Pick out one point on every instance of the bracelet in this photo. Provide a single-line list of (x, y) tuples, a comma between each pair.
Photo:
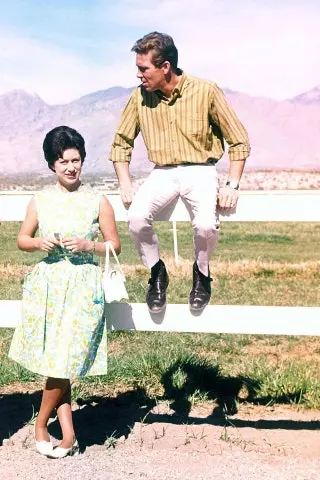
[(93, 247)]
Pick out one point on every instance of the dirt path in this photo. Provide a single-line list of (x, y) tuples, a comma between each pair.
[(154, 443)]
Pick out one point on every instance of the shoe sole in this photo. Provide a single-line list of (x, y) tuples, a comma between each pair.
[(197, 310), (159, 310), (72, 453)]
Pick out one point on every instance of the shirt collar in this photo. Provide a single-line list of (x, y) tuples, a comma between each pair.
[(176, 92), (178, 89)]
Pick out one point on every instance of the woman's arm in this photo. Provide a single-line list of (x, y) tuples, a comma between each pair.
[(108, 228), (26, 240)]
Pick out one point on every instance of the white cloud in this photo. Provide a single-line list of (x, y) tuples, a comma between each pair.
[(257, 47), (261, 48), (58, 76)]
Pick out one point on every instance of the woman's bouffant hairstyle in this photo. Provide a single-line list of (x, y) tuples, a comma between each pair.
[(60, 139), (162, 47)]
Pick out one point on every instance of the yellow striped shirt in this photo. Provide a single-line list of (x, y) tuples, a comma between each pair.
[(189, 127)]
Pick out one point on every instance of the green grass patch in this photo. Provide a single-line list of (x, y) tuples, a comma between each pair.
[(283, 242), (258, 238), (255, 264)]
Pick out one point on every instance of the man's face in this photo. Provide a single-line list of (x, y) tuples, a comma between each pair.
[(152, 78)]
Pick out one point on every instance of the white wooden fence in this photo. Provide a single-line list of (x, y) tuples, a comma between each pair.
[(279, 206), (253, 206)]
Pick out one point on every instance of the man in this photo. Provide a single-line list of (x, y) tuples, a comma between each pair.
[(183, 121)]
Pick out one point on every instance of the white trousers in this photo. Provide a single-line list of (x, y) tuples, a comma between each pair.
[(197, 186)]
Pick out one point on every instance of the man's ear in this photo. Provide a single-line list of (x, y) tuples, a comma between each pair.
[(166, 67)]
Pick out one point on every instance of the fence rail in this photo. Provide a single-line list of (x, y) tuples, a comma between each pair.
[(253, 206), (239, 319), (270, 206)]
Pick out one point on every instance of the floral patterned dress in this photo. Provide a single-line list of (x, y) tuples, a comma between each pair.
[(63, 330)]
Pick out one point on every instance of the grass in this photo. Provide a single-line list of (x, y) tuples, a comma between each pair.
[(271, 242), (111, 440), (255, 264)]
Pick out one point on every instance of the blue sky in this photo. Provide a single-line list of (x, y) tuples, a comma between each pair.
[(64, 49)]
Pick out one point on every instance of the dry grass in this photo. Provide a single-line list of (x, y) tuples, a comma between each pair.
[(286, 349), (218, 267), (236, 268), (11, 270)]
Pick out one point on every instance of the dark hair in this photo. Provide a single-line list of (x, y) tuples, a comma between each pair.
[(162, 47), (60, 139)]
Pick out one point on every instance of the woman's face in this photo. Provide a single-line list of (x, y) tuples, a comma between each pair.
[(68, 168)]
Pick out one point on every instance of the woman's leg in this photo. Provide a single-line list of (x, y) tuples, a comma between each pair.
[(65, 418), (53, 393)]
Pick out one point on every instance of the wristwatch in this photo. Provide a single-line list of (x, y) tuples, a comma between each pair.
[(233, 184)]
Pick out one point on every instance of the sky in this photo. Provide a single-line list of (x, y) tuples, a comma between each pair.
[(64, 49)]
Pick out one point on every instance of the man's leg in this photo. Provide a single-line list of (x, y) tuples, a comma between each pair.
[(199, 191), (159, 190)]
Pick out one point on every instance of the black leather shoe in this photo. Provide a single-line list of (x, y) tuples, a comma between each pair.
[(158, 283), (201, 290)]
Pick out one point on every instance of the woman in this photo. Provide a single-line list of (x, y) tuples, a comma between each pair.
[(63, 333)]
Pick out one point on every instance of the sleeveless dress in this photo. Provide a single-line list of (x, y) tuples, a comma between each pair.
[(63, 329)]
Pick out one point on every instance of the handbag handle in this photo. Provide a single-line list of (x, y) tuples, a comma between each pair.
[(109, 247)]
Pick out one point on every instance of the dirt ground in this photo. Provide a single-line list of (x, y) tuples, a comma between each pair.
[(120, 439)]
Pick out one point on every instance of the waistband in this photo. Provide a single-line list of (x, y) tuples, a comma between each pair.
[(74, 258), (210, 162)]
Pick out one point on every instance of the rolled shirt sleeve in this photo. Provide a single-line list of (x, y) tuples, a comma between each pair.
[(224, 117), (126, 132)]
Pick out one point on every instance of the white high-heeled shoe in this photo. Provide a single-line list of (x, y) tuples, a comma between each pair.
[(43, 447), (60, 452)]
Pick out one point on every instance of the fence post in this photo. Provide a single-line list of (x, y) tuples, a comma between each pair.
[(175, 242)]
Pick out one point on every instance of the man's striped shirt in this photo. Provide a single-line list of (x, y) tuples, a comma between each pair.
[(188, 127)]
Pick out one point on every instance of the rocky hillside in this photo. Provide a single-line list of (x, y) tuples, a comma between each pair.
[(312, 97), (284, 135)]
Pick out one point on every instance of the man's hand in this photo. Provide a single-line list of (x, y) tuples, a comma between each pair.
[(126, 194), (126, 190), (228, 197)]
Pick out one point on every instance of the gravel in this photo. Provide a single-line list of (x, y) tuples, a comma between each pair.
[(258, 443)]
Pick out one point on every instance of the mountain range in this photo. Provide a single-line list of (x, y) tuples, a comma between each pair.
[(284, 134)]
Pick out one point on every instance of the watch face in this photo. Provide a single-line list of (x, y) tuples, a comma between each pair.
[(233, 184)]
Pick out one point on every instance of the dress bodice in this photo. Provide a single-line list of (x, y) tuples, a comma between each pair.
[(68, 214)]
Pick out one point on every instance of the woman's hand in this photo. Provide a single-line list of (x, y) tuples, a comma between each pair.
[(47, 244), (74, 244)]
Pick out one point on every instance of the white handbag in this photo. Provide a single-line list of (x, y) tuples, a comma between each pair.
[(113, 277)]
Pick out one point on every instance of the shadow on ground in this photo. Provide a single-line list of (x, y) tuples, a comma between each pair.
[(16, 411), (192, 377), (100, 418)]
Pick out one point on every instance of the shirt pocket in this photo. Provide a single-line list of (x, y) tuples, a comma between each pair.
[(195, 125)]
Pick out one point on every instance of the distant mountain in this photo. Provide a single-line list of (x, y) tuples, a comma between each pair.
[(284, 135), (311, 97), (17, 106), (102, 95)]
